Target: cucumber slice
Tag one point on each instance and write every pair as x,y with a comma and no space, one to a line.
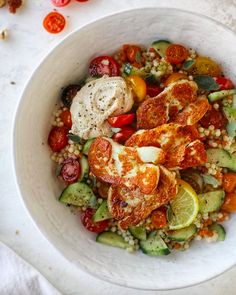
222,158
102,212
154,245
78,194
211,201
112,239
138,232
84,168
183,234
160,46
220,94
231,129
219,229
87,145
209,179
230,113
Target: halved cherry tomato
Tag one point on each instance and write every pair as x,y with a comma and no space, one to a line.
205,66
104,65
123,135
229,182
158,218
174,78
57,138
89,224
229,203
176,53
224,83
132,53
138,85
213,117
66,118
81,0
121,120
60,3
153,90
70,170
54,22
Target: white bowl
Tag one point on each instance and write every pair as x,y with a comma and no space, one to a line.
39,188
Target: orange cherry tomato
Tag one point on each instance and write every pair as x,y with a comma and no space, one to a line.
138,85
158,218
54,22
66,118
229,182
205,66
132,53
174,78
229,203
176,53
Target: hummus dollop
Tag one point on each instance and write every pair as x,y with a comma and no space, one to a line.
96,102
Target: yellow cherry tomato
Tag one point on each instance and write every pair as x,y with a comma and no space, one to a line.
174,78
138,85
205,66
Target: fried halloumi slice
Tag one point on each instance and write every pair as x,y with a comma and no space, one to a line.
181,144
155,111
193,112
132,206
130,166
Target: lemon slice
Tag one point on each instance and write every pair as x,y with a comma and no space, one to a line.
183,208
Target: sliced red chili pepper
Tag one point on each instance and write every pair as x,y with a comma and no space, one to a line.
54,22
224,83
70,170
121,120
153,90
57,138
89,224
104,65
123,135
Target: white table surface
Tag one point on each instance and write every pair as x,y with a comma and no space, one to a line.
27,45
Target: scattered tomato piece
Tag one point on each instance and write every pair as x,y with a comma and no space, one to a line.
176,54
153,90
215,118
13,5
89,224
229,203
104,65
70,171
123,135
158,218
121,120
138,85
57,138
229,182
54,22
224,83
60,3
66,118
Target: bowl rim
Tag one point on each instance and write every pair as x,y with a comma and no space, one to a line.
14,163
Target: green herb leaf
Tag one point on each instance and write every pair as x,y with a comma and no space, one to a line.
187,64
206,83
75,138
138,57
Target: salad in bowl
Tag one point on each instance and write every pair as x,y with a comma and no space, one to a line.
145,148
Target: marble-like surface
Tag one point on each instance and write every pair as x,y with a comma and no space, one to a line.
26,46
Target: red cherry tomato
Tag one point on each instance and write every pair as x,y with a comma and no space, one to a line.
81,0
89,224
153,90
215,118
57,138
54,22
121,120
224,83
66,118
123,135
176,53
104,65
60,3
70,170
